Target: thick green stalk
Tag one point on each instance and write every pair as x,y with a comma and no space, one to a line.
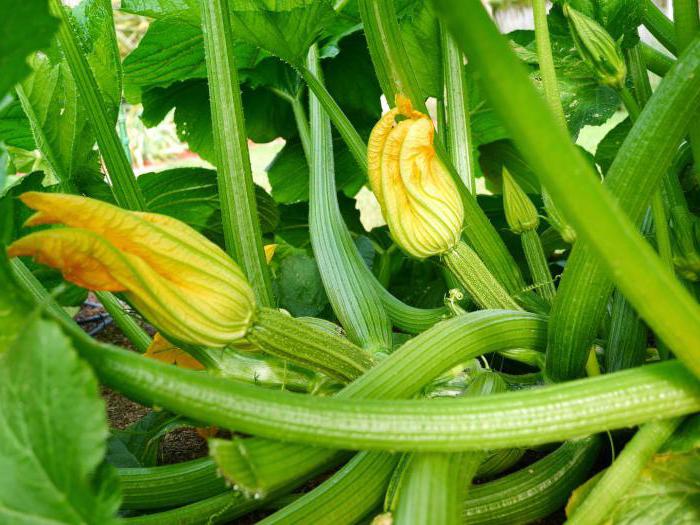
512,419
235,179
126,191
287,338
687,26
613,247
435,484
159,487
535,491
476,278
546,61
346,497
459,136
396,75
217,509
623,473
127,324
400,375
657,62
357,305
537,263
627,338
659,25
394,72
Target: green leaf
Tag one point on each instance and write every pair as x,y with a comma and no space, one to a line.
266,115
26,26
668,491
609,146
53,434
186,9
191,195
61,126
142,439
285,28
300,287
288,172
421,39
619,17
14,127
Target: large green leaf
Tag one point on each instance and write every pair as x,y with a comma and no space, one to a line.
173,50
185,9
53,431
299,286
61,125
609,146
191,195
14,127
26,26
285,28
421,38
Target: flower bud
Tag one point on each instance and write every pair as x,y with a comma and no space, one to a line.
521,214
419,199
597,48
180,281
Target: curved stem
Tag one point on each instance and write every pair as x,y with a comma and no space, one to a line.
659,25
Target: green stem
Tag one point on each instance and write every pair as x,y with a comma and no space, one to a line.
537,262
623,473
659,25
287,338
356,304
612,239
459,140
512,419
346,497
476,278
535,491
347,131
302,127
658,63
546,61
687,26
627,337
126,191
127,324
235,179
394,72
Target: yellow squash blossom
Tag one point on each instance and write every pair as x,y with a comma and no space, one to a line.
419,199
180,281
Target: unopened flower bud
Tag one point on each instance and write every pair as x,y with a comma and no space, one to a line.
521,213
180,281
597,48
419,199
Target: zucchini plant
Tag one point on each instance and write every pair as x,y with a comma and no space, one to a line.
461,363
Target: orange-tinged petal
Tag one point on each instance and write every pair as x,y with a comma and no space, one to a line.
375,149
163,350
84,258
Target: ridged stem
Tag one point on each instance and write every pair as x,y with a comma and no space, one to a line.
458,132
537,263
657,62
287,338
235,179
687,26
534,491
126,191
476,278
659,25
623,473
356,304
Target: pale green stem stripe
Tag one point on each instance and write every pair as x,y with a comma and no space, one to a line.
235,179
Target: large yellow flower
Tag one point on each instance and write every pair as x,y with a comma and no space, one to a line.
180,281
419,199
